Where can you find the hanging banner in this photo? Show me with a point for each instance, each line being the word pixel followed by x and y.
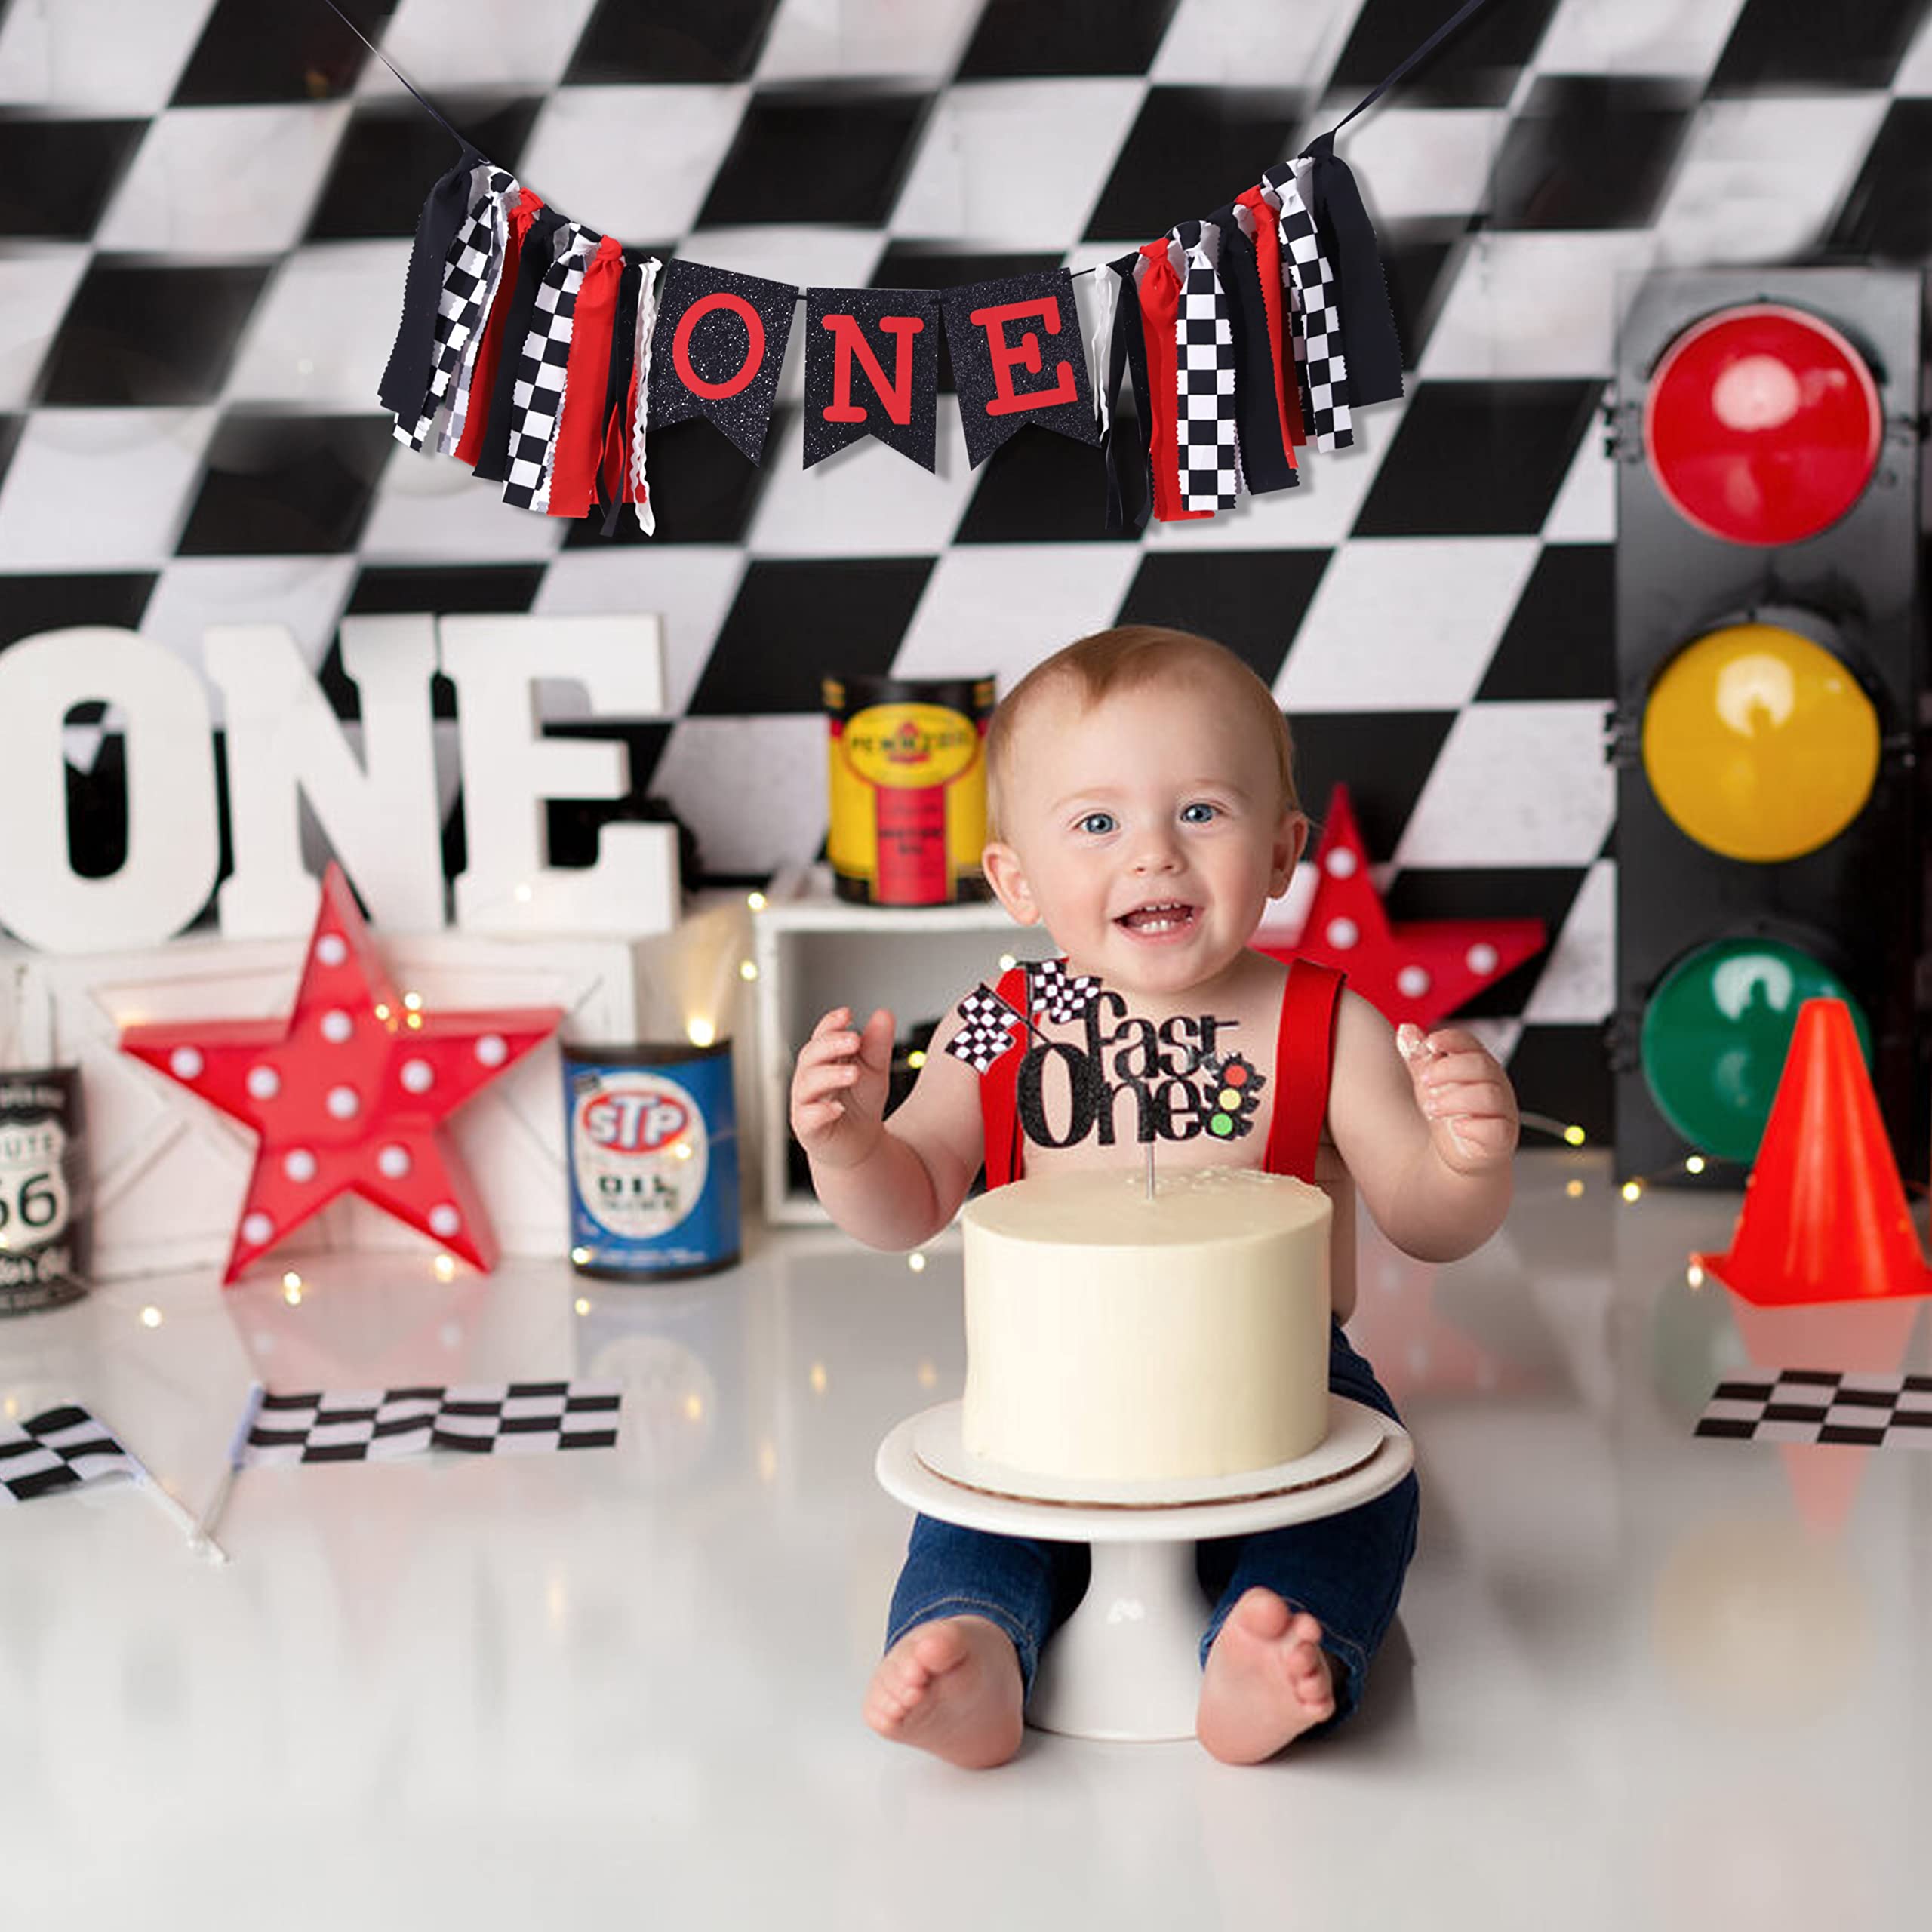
pixel 1017 360
pixel 718 348
pixel 871 369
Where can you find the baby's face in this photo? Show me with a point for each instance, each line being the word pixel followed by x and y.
pixel 1145 832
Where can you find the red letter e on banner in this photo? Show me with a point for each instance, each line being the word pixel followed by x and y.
pixel 1005 354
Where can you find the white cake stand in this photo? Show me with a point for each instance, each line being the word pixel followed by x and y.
pixel 1126 1665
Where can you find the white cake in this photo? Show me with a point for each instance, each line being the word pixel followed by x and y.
pixel 1108 1335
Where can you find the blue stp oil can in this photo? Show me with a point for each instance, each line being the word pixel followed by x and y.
pixel 653 1145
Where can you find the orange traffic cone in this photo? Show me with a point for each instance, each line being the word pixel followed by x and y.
pixel 1824 1218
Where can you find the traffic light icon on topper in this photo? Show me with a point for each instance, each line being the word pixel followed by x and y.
pixel 1770 654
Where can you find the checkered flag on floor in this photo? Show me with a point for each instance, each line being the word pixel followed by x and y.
pixel 1822 1405
pixel 986 1029
pixel 58 1449
pixel 361 1426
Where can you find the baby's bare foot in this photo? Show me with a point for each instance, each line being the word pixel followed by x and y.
pixel 1267 1681
pixel 951 1688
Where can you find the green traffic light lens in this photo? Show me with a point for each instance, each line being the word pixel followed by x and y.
pixel 1716 1032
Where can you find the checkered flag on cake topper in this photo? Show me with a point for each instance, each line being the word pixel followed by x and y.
pixel 1059 995
pixel 58 1449
pixel 1206 428
pixel 985 1029
pixel 1822 1405
pixel 1314 319
pixel 379 1426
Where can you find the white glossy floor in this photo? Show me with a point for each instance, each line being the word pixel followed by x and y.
pixel 1640 1679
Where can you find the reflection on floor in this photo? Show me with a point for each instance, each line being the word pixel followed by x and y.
pixel 1639 1678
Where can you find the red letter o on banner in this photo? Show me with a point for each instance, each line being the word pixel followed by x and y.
pixel 681 344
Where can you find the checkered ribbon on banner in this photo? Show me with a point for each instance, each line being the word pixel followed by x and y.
pixel 987 1032
pixel 538 396
pixel 1206 431
pixel 362 1426
pixel 1059 995
pixel 1822 1405
pixel 58 1449
pixel 1315 319
pixel 475 260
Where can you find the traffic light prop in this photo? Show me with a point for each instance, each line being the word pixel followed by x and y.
pixel 1770 660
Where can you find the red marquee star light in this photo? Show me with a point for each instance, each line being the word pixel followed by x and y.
pixel 349 1093
pixel 1421 970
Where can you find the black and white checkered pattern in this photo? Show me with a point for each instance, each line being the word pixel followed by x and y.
pixel 538 397
pixel 1205 422
pixel 1059 995
pixel 197 338
pixel 470 273
pixel 1822 1405
pixel 987 1029
pixel 58 1449
pixel 1315 317
pixel 380 1426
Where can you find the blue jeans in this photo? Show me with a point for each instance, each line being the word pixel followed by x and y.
pixel 1344 1571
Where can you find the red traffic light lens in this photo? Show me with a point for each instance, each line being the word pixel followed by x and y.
pixel 1762 424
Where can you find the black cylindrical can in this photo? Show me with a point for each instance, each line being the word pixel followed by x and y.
pixel 44 1225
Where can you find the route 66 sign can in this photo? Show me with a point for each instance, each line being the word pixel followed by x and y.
pixel 43 1183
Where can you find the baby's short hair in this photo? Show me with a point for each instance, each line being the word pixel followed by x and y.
pixel 1126 658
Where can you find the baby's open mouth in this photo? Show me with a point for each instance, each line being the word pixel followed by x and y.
pixel 1167 916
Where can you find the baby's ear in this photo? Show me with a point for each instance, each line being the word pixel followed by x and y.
pixel 1001 864
pixel 1290 837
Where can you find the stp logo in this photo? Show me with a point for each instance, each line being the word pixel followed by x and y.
pixel 643 1121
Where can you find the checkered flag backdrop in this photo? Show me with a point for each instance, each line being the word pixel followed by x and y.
pixel 59 1448
pixel 1822 1405
pixel 196 331
pixel 501 1418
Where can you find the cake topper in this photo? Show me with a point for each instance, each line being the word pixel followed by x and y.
pixel 1184 1081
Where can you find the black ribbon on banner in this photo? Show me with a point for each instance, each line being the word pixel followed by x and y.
pixel 1127 354
pixel 871 369
pixel 405 381
pixel 717 349
pixel 1265 462
pixel 1017 360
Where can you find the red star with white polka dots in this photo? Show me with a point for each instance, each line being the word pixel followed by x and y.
pixel 1422 970
pixel 348 1093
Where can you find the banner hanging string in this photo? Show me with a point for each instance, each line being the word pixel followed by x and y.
pixel 1367 100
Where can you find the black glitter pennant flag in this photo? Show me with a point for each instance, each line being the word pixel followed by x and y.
pixel 871 369
pixel 717 351
pixel 1017 360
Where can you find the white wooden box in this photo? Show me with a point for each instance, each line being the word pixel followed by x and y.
pixel 169 1171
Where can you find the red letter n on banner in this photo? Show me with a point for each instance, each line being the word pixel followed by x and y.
pixel 849 339
pixel 1005 354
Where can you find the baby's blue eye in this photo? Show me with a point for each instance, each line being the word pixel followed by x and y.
pixel 1197 814
pixel 1097 824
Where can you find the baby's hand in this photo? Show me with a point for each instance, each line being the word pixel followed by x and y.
pixel 838 1087
pixel 1465 1094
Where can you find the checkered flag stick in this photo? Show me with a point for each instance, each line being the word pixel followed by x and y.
pixel 1059 995
pixel 66 1447
pixel 985 1029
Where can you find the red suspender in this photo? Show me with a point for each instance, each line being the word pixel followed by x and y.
pixel 999 1106
pixel 1304 1049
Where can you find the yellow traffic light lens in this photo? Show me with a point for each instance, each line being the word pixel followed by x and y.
pixel 1759 744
